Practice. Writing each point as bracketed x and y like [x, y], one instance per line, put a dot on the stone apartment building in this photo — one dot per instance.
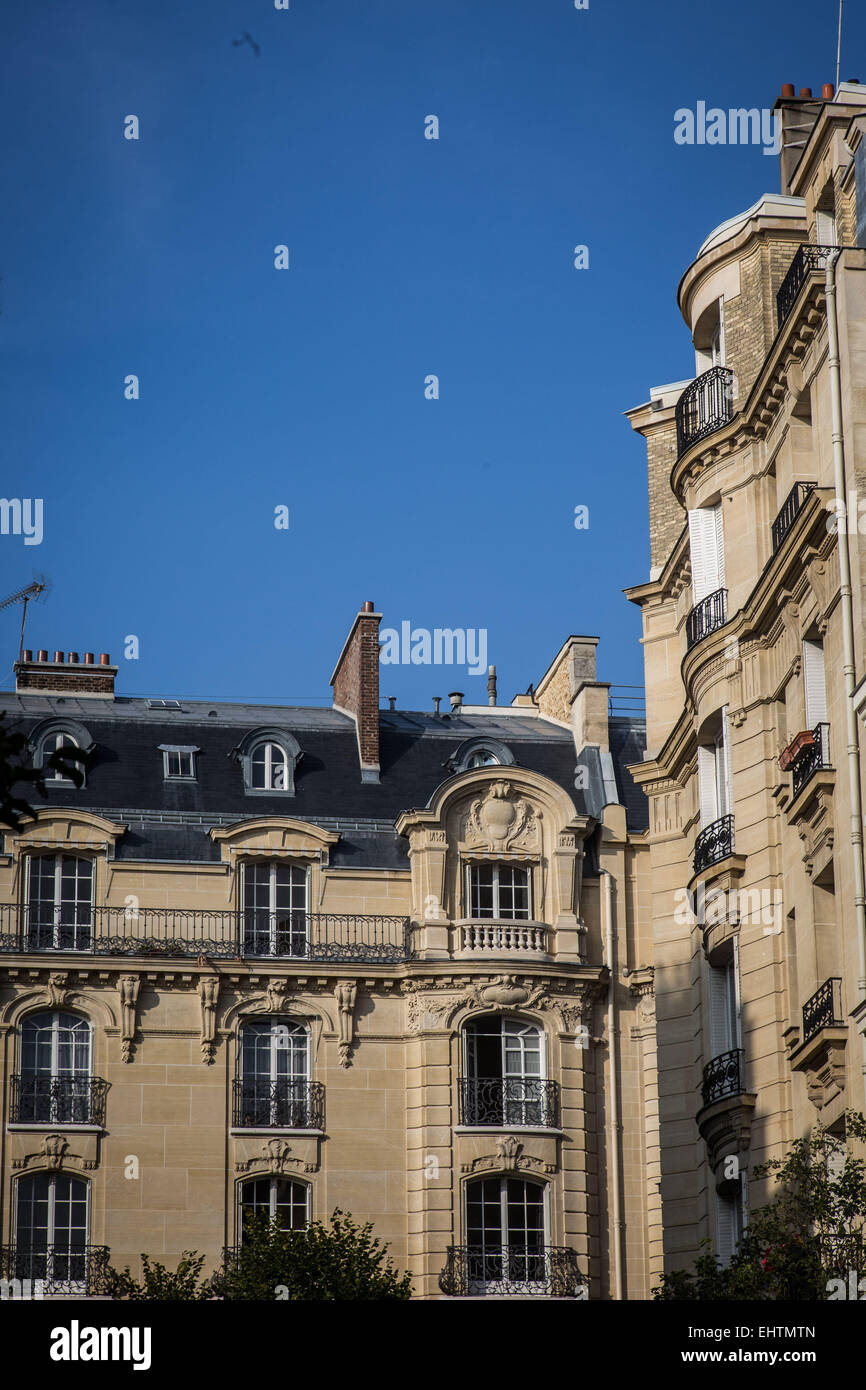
[753, 633]
[273, 959]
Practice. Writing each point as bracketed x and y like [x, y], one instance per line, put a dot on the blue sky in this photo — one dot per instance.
[408, 257]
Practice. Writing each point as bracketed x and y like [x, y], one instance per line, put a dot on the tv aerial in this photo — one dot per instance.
[39, 588]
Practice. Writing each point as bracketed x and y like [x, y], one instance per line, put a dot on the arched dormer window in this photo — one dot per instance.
[52, 734]
[268, 758]
[479, 752]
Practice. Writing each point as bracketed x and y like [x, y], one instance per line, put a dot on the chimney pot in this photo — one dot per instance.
[436, 702]
[73, 657]
[368, 607]
[42, 654]
[58, 656]
[88, 658]
[805, 91]
[28, 655]
[827, 91]
[103, 659]
[456, 698]
[392, 701]
[787, 89]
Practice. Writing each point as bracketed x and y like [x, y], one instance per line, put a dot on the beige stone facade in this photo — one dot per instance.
[752, 768]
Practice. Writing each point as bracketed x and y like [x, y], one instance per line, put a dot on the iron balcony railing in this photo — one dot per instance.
[181, 932]
[724, 1076]
[706, 616]
[714, 844]
[704, 407]
[512, 1100]
[824, 1009]
[813, 756]
[549, 1270]
[285, 1104]
[58, 1100]
[841, 1253]
[806, 259]
[789, 510]
[60, 1268]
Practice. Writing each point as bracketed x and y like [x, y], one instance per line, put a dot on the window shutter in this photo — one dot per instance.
[724, 783]
[734, 993]
[813, 683]
[720, 1009]
[707, 551]
[726, 1228]
[719, 539]
[825, 228]
[707, 785]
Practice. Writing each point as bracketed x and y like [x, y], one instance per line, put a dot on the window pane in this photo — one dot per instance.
[481, 890]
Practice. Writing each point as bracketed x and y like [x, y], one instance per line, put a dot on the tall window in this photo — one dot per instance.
[275, 909]
[707, 550]
[814, 684]
[51, 1228]
[274, 1079]
[715, 786]
[50, 744]
[276, 1199]
[730, 1219]
[269, 767]
[504, 1073]
[505, 1233]
[54, 1075]
[59, 902]
[724, 1002]
[500, 891]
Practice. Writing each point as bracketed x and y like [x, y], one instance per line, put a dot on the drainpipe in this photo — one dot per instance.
[613, 1037]
[848, 667]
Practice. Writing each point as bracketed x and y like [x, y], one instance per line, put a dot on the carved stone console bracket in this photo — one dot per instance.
[128, 987]
[346, 993]
[208, 993]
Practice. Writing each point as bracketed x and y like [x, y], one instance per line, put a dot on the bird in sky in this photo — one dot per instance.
[247, 38]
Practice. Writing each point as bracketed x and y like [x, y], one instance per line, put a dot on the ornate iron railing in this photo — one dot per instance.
[512, 1100]
[841, 1253]
[76, 1269]
[789, 511]
[704, 406]
[824, 1009]
[706, 616]
[58, 1100]
[814, 756]
[806, 259]
[548, 1270]
[183, 933]
[278, 1104]
[714, 843]
[504, 936]
[724, 1076]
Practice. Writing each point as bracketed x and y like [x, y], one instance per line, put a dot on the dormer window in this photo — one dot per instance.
[53, 734]
[482, 757]
[178, 762]
[268, 758]
[52, 744]
[479, 752]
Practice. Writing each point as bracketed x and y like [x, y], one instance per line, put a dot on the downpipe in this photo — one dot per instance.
[613, 1064]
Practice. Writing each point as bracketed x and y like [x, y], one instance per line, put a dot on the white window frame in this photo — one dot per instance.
[272, 1179]
[50, 744]
[503, 1179]
[272, 765]
[57, 902]
[69, 1285]
[181, 751]
[497, 864]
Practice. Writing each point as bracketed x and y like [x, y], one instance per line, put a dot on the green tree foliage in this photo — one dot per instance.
[15, 769]
[162, 1285]
[810, 1231]
[336, 1262]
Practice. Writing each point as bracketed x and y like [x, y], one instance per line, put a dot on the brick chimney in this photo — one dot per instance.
[356, 687]
[65, 675]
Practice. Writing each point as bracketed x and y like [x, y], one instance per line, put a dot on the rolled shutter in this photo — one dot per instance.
[707, 785]
[814, 684]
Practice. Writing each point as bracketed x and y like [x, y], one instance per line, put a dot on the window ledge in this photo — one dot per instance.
[510, 1129]
[43, 1127]
[237, 1131]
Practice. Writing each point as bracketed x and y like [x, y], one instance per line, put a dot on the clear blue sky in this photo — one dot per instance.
[407, 257]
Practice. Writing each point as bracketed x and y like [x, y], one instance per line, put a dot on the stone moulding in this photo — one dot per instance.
[726, 1126]
[822, 1062]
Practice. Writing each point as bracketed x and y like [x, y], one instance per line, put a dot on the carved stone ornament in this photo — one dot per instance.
[208, 993]
[510, 1158]
[276, 1154]
[128, 987]
[501, 819]
[58, 994]
[345, 993]
[54, 1154]
[275, 995]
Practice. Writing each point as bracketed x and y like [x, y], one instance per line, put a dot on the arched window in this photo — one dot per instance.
[53, 1085]
[504, 1074]
[275, 908]
[51, 734]
[59, 902]
[51, 1231]
[482, 757]
[479, 751]
[273, 1090]
[50, 744]
[506, 1235]
[277, 1199]
[269, 767]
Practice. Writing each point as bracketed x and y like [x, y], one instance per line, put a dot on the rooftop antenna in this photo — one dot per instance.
[839, 46]
[39, 586]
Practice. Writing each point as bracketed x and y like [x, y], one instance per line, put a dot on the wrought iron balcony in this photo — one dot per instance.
[806, 259]
[549, 1270]
[706, 616]
[278, 1104]
[61, 1268]
[58, 1100]
[714, 844]
[824, 1009]
[789, 511]
[812, 756]
[704, 407]
[512, 1100]
[724, 1076]
[182, 933]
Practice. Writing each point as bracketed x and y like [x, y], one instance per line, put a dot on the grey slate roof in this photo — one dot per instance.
[169, 820]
